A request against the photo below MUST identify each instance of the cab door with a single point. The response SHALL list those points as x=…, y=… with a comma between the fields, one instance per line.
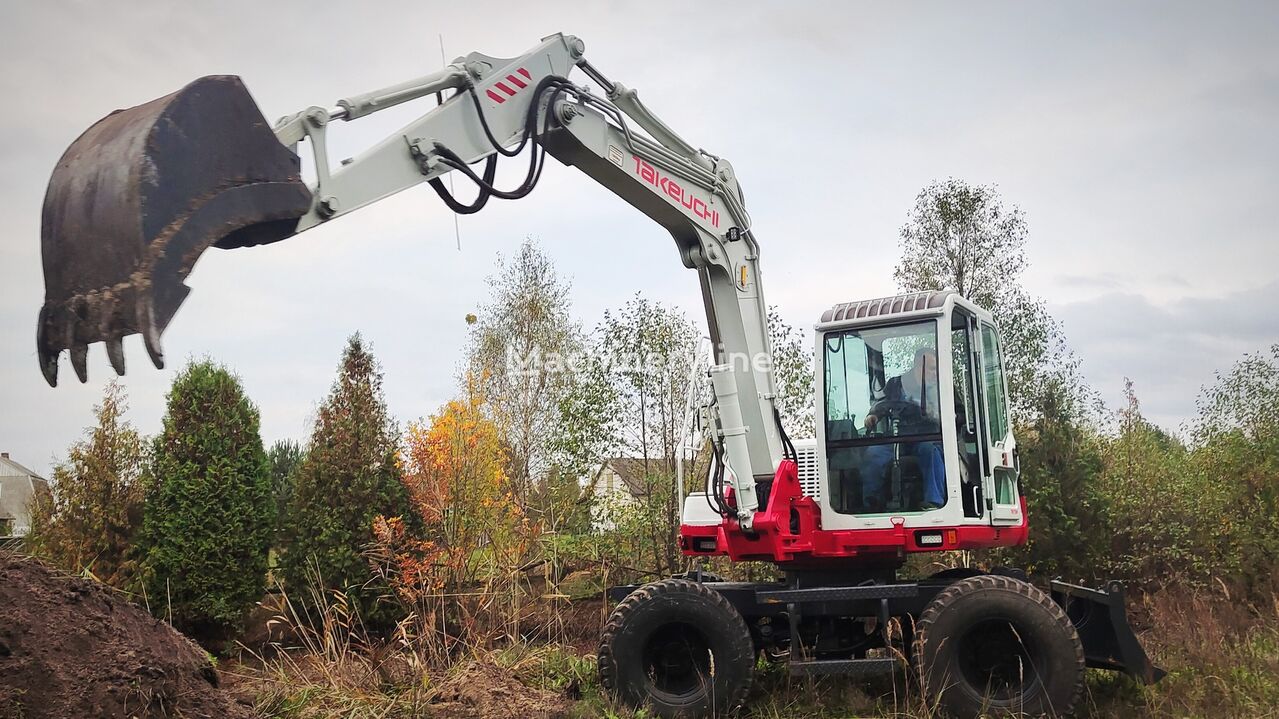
x=1003, y=494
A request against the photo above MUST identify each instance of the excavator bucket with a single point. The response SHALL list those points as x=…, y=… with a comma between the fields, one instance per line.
x=136, y=200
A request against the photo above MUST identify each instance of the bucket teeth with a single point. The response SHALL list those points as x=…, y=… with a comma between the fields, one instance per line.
x=48, y=357
x=151, y=338
x=79, y=360
x=115, y=353
x=49, y=368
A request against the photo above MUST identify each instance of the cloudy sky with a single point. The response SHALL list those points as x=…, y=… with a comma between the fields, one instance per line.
x=1140, y=139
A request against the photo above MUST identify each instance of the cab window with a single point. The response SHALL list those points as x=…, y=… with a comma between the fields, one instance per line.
x=883, y=419
x=996, y=393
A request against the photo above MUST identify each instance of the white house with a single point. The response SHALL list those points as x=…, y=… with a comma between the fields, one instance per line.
x=18, y=486
x=622, y=482
x=617, y=483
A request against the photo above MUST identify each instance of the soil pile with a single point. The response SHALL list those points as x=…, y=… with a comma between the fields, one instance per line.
x=71, y=648
x=484, y=691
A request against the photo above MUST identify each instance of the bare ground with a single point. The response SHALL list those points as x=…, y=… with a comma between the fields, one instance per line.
x=70, y=647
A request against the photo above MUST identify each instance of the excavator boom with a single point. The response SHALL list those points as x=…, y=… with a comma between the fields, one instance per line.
x=144, y=192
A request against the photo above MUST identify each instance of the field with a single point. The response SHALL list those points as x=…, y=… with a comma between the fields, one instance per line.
x=1222, y=658
x=67, y=643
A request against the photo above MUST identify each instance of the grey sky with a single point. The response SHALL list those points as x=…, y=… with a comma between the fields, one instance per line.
x=1139, y=138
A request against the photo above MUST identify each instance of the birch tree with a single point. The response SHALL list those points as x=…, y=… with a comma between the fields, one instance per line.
x=962, y=237
x=522, y=343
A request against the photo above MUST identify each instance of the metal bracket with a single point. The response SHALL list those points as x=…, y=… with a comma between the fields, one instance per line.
x=426, y=160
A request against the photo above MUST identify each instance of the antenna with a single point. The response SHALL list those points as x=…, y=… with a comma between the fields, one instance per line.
x=457, y=229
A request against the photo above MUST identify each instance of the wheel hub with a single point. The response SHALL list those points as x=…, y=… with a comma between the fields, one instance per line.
x=677, y=660
x=995, y=657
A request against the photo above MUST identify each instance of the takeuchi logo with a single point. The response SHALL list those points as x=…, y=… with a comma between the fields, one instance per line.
x=676, y=192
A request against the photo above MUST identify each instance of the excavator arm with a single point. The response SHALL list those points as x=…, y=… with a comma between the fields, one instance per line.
x=136, y=199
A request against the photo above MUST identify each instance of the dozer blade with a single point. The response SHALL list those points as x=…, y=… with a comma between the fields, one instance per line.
x=136, y=200
x=1101, y=619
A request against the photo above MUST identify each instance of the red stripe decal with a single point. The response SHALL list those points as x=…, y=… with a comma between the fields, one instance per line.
x=517, y=82
x=496, y=97
x=525, y=73
x=504, y=88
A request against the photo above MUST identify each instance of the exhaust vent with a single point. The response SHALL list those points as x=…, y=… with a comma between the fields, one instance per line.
x=809, y=478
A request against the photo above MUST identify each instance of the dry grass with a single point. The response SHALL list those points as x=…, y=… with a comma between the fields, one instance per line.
x=1222, y=655
x=324, y=662
x=329, y=666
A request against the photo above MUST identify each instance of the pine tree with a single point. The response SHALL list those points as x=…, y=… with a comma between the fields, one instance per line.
x=349, y=477
x=283, y=459
x=210, y=512
x=90, y=518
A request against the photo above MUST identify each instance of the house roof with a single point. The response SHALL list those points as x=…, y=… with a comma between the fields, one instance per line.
x=633, y=472
x=10, y=468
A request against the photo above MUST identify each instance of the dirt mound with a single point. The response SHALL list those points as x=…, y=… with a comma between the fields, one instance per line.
x=71, y=648
x=483, y=690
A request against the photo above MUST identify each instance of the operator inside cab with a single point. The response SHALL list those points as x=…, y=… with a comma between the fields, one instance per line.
x=883, y=420
x=911, y=399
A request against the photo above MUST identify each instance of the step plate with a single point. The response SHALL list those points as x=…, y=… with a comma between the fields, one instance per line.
x=845, y=667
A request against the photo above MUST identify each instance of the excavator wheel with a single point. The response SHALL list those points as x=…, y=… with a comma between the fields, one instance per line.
x=678, y=648
x=995, y=645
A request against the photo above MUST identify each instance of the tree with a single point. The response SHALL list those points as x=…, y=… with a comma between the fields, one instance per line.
x=90, y=519
x=1236, y=437
x=283, y=459
x=521, y=343
x=588, y=420
x=349, y=476
x=473, y=536
x=1062, y=463
x=960, y=236
x=793, y=372
x=210, y=513
x=652, y=349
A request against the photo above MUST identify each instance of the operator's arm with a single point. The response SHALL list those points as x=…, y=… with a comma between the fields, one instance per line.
x=892, y=392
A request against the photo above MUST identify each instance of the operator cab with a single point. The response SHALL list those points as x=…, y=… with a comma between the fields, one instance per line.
x=913, y=415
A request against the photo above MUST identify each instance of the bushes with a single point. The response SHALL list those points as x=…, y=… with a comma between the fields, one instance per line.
x=1061, y=459
x=350, y=475
x=1165, y=528
x=210, y=512
x=460, y=573
x=1141, y=504
x=1237, y=435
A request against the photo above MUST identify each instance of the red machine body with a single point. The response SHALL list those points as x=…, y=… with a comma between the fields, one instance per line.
x=788, y=532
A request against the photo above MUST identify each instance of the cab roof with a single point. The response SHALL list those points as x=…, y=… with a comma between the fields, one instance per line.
x=887, y=306
x=933, y=302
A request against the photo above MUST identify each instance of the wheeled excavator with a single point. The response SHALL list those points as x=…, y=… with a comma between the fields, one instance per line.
x=914, y=450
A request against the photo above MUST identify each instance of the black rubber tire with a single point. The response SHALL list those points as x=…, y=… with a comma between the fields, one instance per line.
x=678, y=648
x=994, y=645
